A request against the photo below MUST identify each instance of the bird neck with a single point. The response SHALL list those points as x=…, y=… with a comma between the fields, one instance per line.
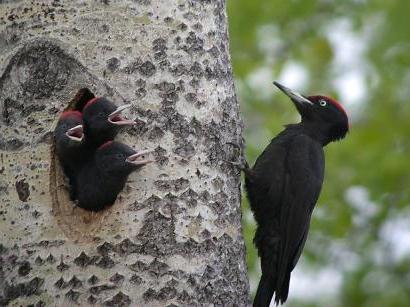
x=111, y=180
x=113, y=176
x=313, y=130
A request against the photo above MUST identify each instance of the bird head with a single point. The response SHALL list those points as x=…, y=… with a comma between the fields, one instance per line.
x=115, y=158
x=103, y=117
x=71, y=124
x=320, y=112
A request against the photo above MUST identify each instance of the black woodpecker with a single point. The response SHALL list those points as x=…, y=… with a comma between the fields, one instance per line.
x=102, y=178
x=102, y=121
x=70, y=150
x=283, y=187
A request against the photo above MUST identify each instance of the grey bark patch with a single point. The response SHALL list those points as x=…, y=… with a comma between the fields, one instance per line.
x=74, y=282
x=196, y=70
x=147, y=69
x=113, y=64
x=45, y=244
x=126, y=247
x=105, y=262
x=83, y=260
x=120, y=299
x=185, y=150
x=24, y=268
x=11, y=292
x=117, y=279
x=194, y=44
x=50, y=258
x=38, y=260
x=160, y=156
x=136, y=280
x=23, y=190
x=190, y=197
x=143, y=2
x=105, y=248
x=174, y=184
x=140, y=93
x=39, y=68
x=191, y=97
x=92, y=300
x=62, y=266
x=92, y=280
x=138, y=266
x=157, y=268
x=160, y=56
x=168, y=92
x=182, y=27
x=96, y=290
x=149, y=295
x=159, y=44
x=167, y=293
x=13, y=144
x=72, y=295
x=178, y=70
x=157, y=234
x=60, y=283
x=155, y=133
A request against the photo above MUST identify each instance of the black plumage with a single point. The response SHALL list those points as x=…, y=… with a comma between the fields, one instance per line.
x=103, y=177
x=102, y=121
x=69, y=141
x=283, y=187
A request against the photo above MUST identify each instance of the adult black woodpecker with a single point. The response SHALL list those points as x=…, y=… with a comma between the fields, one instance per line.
x=68, y=136
x=102, y=121
x=102, y=178
x=283, y=187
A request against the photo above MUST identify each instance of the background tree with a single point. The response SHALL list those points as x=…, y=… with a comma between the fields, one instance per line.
x=174, y=234
x=358, y=250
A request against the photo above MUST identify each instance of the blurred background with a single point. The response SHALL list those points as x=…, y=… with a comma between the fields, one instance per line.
x=357, y=51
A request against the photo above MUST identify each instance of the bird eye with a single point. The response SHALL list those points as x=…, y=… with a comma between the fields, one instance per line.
x=120, y=156
x=322, y=102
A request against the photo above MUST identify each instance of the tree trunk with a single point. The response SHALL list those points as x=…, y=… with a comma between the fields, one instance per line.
x=174, y=234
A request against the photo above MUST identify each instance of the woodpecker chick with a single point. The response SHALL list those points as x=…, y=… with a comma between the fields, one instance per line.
x=283, y=187
x=102, y=121
x=68, y=136
x=100, y=180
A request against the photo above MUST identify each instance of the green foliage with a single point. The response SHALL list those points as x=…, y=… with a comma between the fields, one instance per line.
x=267, y=36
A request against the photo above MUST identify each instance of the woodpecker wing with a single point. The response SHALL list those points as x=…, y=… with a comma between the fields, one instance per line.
x=304, y=177
x=264, y=185
x=283, y=189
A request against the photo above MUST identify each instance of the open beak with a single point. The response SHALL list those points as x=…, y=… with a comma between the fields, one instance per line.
x=76, y=133
x=138, y=158
x=116, y=118
x=297, y=98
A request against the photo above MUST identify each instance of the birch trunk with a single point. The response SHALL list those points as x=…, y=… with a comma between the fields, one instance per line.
x=173, y=237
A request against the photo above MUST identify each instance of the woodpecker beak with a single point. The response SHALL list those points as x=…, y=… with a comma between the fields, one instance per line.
x=76, y=133
x=299, y=100
x=137, y=159
x=116, y=118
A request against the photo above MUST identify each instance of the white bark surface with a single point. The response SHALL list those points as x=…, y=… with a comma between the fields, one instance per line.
x=174, y=234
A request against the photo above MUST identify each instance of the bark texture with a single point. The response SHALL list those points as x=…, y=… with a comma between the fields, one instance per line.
x=173, y=237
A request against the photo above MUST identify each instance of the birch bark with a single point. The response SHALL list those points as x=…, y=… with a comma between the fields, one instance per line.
x=173, y=237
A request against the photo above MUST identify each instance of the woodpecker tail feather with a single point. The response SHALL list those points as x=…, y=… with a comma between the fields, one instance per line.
x=281, y=294
x=265, y=291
